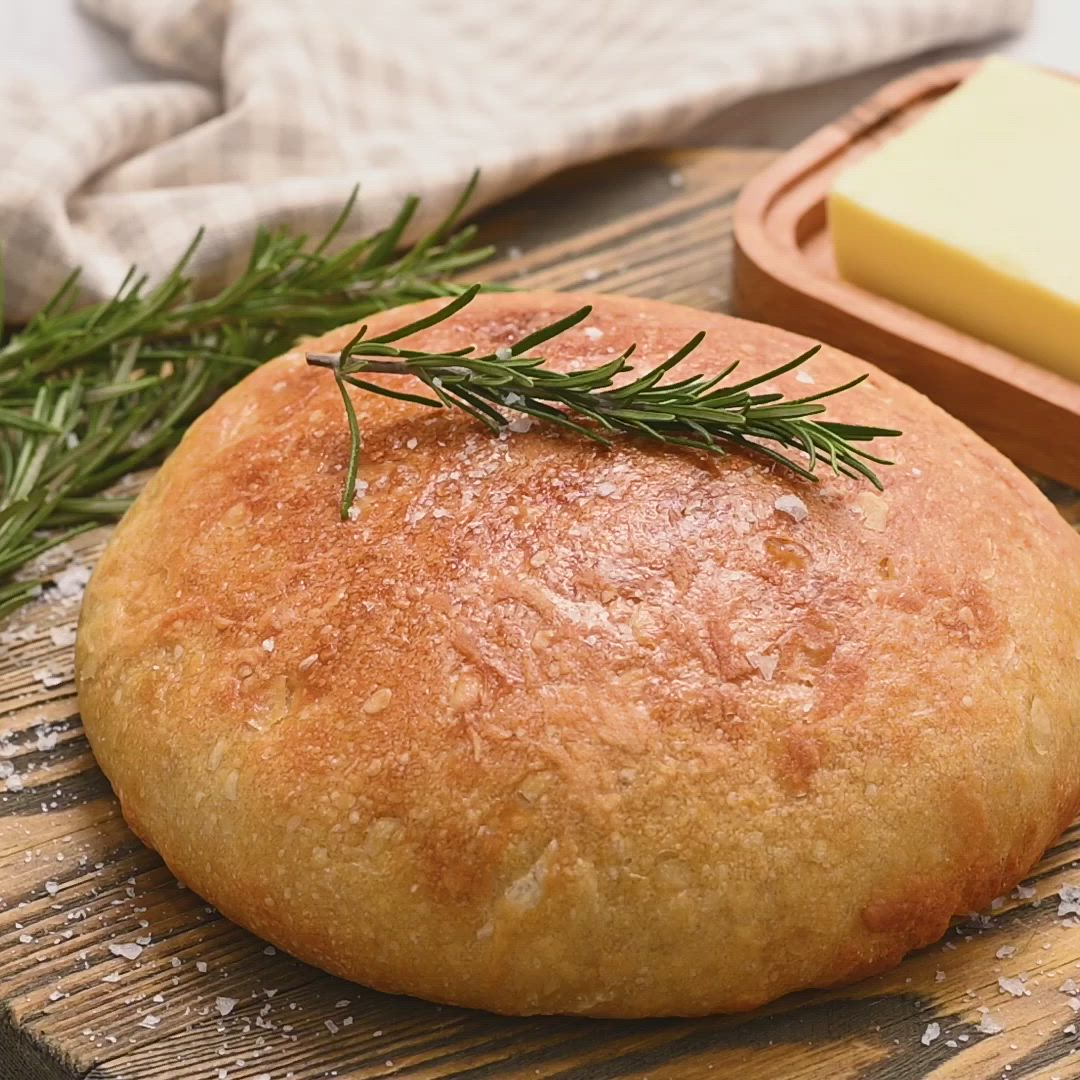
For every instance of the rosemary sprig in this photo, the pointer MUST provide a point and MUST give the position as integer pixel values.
(698, 411)
(89, 394)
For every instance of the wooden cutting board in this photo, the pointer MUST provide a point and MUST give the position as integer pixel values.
(203, 999)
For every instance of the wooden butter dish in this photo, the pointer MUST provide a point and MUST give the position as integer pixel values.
(785, 274)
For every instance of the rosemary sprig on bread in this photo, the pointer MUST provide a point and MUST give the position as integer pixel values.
(699, 411)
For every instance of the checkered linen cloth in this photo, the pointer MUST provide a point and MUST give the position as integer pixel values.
(278, 107)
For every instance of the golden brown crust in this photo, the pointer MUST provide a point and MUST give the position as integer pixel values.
(558, 729)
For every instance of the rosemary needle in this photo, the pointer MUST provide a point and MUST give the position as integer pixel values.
(88, 394)
(700, 411)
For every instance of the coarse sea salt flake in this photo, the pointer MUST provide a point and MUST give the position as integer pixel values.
(503, 354)
(874, 510)
(69, 583)
(268, 644)
(593, 333)
(1069, 896)
(1005, 951)
(990, 1025)
(62, 636)
(793, 506)
(129, 950)
(1012, 986)
(804, 376)
(378, 701)
(765, 663)
(225, 1005)
(52, 887)
(150, 1021)
(605, 489)
(932, 1032)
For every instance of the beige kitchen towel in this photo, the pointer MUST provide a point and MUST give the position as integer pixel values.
(276, 108)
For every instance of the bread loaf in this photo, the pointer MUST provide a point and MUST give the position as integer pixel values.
(557, 729)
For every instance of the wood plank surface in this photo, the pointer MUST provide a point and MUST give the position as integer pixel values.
(110, 970)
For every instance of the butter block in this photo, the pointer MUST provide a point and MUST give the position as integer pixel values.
(972, 215)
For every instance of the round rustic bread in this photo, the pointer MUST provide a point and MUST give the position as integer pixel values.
(554, 728)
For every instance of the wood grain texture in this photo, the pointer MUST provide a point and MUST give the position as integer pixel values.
(785, 272)
(204, 999)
